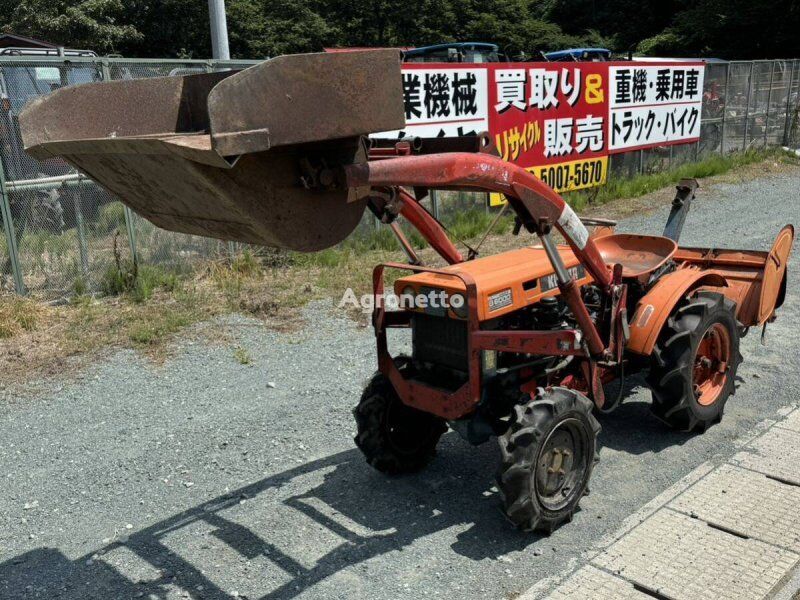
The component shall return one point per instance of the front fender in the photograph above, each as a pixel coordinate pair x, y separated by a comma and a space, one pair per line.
657, 305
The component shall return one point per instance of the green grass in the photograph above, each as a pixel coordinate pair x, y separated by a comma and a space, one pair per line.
137, 283
461, 225
474, 223
159, 325
17, 315
245, 263
242, 356
79, 287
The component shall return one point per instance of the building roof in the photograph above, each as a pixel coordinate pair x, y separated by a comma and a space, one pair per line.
12, 40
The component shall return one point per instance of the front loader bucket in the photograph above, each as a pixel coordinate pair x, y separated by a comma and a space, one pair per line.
222, 154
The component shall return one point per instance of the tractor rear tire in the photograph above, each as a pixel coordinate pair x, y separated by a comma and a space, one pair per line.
394, 438
694, 363
548, 454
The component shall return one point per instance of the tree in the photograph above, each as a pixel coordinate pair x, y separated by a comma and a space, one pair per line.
743, 29
284, 27
621, 24
93, 24
258, 28
171, 28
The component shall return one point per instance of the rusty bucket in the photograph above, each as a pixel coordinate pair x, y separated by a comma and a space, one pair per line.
223, 154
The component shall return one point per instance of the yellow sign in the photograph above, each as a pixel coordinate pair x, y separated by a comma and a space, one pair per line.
566, 176
573, 175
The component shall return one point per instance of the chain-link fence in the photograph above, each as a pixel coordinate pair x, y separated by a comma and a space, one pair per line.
61, 232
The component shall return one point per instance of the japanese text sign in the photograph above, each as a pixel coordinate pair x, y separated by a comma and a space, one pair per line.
654, 105
559, 120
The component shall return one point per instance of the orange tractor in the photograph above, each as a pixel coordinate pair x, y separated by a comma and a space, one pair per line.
521, 345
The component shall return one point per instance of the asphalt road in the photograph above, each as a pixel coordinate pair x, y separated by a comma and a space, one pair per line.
199, 479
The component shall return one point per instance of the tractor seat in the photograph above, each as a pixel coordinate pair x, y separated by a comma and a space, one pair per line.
638, 254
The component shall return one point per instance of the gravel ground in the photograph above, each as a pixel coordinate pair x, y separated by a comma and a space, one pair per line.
206, 478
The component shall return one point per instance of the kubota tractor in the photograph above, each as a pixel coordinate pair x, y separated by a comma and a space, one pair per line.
523, 343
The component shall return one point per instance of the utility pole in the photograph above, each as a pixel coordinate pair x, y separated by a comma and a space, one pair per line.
219, 30
220, 51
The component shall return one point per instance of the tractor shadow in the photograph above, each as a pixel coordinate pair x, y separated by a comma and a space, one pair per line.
632, 427
361, 513
365, 512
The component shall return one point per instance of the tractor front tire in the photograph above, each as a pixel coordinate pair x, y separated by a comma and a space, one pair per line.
694, 363
394, 438
548, 454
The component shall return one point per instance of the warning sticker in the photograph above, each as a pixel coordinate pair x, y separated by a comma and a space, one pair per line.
573, 227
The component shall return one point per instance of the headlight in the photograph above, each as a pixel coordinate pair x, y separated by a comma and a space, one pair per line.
407, 297
458, 304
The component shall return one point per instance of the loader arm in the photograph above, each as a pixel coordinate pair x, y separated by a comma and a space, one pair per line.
538, 207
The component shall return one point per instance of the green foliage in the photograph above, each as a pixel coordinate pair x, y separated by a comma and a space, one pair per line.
110, 217
17, 315
96, 24
742, 29
330, 257
474, 223
118, 279
379, 239
79, 287
242, 356
245, 263
260, 28
664, 43
138, 284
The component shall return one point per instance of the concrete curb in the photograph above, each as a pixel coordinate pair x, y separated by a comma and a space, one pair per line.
723, 531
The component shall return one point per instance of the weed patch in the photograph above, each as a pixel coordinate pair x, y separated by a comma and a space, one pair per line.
242, 356
18, 315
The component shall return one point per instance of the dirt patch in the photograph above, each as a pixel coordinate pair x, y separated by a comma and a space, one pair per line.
42, 341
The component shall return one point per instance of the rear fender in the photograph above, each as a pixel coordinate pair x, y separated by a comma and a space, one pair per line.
773, 279
659, 303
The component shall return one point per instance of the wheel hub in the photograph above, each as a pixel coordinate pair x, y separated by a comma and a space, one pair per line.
710, 372
560, 464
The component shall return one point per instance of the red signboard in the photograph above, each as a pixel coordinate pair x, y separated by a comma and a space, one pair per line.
560, 120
